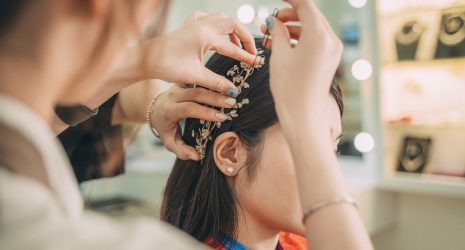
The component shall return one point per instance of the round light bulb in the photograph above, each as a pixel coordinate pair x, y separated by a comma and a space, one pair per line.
361, 69
246, 13
357, 3
364, 142
262, 13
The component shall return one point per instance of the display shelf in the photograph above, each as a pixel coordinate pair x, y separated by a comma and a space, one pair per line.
458, 62
445, 126
412, 10
428, 184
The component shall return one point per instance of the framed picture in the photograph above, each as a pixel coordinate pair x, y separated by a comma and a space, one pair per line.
414, 154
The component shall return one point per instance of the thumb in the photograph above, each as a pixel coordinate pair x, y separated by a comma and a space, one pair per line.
181, 149
279, 33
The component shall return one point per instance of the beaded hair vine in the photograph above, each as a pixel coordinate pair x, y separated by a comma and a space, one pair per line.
239, 78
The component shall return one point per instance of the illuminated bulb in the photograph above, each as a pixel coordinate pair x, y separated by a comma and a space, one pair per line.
361, 69
364, 142
262, 13
357, 3
246, 13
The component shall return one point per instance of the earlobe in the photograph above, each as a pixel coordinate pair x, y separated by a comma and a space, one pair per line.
227, 153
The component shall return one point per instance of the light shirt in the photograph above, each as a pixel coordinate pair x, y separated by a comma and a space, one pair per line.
34, 216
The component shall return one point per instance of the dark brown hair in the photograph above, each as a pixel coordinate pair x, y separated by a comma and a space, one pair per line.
197, 198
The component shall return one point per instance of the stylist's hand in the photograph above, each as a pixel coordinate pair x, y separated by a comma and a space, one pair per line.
178, 56
180, 102
300, 75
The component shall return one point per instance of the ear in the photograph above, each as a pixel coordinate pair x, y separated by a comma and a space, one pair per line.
229, 153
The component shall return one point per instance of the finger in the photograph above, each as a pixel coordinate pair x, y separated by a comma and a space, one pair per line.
288, 14
306, 10
226, 48
228, 26
204, 96
210, 80
214, 16
294, 30
184, 151
269, 44
279, 32
194, 110
195, 16
234, 39
180, 148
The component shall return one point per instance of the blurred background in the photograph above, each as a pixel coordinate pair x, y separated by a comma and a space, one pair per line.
403, 151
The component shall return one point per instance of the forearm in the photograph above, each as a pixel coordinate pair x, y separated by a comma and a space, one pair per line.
319, 179
126, 72
132, 102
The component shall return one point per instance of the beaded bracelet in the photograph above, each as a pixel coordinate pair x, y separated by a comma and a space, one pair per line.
150, 111
326, 203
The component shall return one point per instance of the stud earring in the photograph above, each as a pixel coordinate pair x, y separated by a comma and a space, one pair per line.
230, 170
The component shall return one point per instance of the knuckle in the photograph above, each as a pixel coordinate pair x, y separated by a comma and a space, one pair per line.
196, 93
196, 13
170, 94
168, 110
235, 22
217, 84
188, 109
221, 14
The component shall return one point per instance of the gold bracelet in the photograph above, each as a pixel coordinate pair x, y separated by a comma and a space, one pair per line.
150, 111
326, 203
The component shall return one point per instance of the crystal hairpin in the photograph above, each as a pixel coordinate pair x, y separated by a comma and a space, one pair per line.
239, 78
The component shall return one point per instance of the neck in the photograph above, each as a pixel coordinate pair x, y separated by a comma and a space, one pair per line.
24, 79
255, 234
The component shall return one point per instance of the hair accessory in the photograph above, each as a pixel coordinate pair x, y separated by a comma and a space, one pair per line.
150, 111
326, 203
239, 78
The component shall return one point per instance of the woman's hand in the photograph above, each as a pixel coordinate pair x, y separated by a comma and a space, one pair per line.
301, 74
178, 56
181, 102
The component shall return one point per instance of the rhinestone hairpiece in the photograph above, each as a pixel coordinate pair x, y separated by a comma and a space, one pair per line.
239, 78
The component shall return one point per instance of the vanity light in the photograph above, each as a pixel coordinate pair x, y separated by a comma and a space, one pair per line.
361, 69
364, 142
246, 13
357, 3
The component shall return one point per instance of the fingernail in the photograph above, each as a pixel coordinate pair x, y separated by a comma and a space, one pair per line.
269, 23
230, 101
190, 157
221, 116
232, 93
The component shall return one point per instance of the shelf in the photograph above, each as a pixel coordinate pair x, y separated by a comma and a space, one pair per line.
412, 10
424, 184
443, 62
399, 126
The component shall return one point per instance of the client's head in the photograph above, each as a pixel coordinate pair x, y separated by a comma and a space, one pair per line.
246, 177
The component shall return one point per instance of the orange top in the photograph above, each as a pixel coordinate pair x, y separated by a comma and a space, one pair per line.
291, 241
288, 241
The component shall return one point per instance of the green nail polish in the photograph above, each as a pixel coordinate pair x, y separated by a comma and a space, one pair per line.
269, 23
232, 93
